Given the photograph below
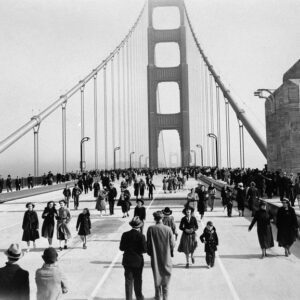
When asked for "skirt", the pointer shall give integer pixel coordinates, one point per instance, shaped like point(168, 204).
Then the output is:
point(63, 231)
point(47, 230)
point(30, 235)
point(188, 243)
point(101, 205)
point(265, 238)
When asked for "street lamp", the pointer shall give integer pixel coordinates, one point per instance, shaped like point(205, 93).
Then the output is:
point(212, 135)
point(131, 153)
point(259, 93)
point(115, 150)
point(85, 139)
point(140, 160)
point(194, 157)
point(201, 149)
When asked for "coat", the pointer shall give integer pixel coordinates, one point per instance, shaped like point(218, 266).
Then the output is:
point(83, 224)
point(63, 218)
point(240, 198)
point(30, 226)
point(140, 212)
point(48, 225)
point(51, 282)
point(96, 189)
point(160, 245)
point(133, 243)
point(169, 221)
point(264, 230)
point(188, 242)
point(14, 283)
point(210, 238)
point(287, 226)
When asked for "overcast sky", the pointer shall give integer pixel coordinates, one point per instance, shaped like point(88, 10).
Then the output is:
point(48, 46)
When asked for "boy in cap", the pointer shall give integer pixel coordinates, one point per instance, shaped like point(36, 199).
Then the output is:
point(14, 281)
point(50, 281)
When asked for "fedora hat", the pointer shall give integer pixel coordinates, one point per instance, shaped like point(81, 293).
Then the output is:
point(14, 251)
point(136, 222)
point(50, 255)
point(167, 211)
point(158, 215)
point(140, 200)
point(186, 208)
point(30, 203)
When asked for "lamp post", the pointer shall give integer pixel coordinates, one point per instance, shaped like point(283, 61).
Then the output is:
point(140, 160)
point(259, 93)
point(85, 139)
point(115, 150)
point(147, 162)
point(131, 153)
point(201, 150)
point(195, 163)
point(212, 135)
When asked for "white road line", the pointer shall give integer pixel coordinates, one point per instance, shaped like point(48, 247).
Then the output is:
point(112, 264)
point(232, 289)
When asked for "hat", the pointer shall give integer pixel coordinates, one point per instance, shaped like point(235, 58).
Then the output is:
point(62, 201)
point(30, 203)
point(209, 223)
point(187, 207)
point(51, 202)
point(136, 222)
point(167, 211)
point(241, 184)
point(50, 255)
point(140, 200)
point(285, 200)
point(14, 252)
point(158, 215)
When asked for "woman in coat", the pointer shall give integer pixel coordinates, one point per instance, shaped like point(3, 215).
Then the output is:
point(264, 230)
point(124, 202)
point(96, 187)
point(83, 225)
point(30, 226)
point(188, 242)
point(63, 219)
point(240, 198)
point(202, 201)
point(212, 196)
point(48, 225)
point(101, 201)
point(136, 187)
point(287, 226)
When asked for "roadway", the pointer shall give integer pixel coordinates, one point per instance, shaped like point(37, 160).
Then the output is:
point(96, 273)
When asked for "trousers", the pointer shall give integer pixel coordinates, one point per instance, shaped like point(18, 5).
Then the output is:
point(210, 258)
point(133, 278)
point(161, 290)
point(111, 206)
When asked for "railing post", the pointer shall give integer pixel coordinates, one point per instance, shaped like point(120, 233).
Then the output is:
point(64, 137)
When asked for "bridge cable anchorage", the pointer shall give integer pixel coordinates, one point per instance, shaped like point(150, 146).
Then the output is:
point(20, 132)
point(254, 133)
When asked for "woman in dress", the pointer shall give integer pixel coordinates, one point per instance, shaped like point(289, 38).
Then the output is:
point(124, 202)
point(48, 225)
point(192, 199)
point(83, 225)
point(264, 230)
point(101, 201)
point(188, 242)
point(287, 226)
point(30, 226)
point(63, 219)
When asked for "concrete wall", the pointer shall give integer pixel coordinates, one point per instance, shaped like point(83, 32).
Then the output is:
point(283, 124)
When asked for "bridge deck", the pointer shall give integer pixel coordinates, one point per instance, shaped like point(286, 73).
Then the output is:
point(97, 273)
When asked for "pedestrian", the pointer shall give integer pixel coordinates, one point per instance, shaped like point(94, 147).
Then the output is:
point(287, 226)
point(30, 226)
point(140, 211)
point(76, 192)
point(210, 238)
point(151, 187)
point(8, 184)
point(18, 183)
point(169, 221)
point(63, 219)
point(96, 187)
point(101, 201)
point(133, 243)
point(83, 225)
point(14, 281)
point(229, 201)
point(30, 181)
point(1, 184)
point(67, 195)
point(264, 230)
point(188, 241)
point(49, 214)
point(202, 201)
point(136, 187)
point(165, 181)
point(192, 199)
point(111, 196)
point(142, 188)
point(50, 280)
point(160, 245)
point(241, 198)
point(211, 196)
point(124, 202)
point(253, 198)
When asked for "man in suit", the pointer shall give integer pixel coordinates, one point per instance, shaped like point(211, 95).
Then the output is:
point(111, 195)
point(133, 243)
point(14, 281)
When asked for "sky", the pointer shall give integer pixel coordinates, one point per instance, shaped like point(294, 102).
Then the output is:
point(46, 47)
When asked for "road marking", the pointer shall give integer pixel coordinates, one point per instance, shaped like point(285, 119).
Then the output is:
point(232, 289)
point(112, 264)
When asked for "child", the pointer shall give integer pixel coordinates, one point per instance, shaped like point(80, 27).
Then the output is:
point(84, 225)
point(210, 238)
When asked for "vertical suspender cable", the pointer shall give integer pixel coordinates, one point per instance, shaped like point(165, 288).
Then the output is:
point(207, 120)
point(105, 117)
point(227, 133)
point(113, 103)
point(212, 127)
point(119, 111)
point(124, 108)
point(64, 138)
point(96, 121)
point(219, 125)
point(128, 100)
point(82, 121)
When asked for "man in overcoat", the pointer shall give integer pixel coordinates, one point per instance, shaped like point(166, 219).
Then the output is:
point(133, 243)
point(160, 245)
point(14, 281)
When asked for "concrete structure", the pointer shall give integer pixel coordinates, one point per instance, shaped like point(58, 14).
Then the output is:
point(283, 123)
point(178, 121)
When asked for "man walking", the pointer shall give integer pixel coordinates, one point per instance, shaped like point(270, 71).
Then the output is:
point(133, 243)
point(160, 245)
point(111, 195)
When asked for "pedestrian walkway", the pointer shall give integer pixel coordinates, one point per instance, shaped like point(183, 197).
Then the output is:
point(97, 273)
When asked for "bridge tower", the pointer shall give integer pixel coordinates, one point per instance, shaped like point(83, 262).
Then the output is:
point(178, 121)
